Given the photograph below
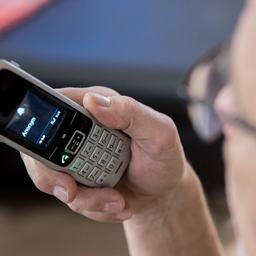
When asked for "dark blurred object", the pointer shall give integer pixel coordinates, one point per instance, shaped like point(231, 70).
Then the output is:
point(140, 48)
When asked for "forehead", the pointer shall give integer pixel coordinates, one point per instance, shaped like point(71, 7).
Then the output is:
point(243, 62)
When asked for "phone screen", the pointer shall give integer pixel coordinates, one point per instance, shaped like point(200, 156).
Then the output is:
point(38, 120)
point(34, 119)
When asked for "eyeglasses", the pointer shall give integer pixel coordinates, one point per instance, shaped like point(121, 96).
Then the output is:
point(201, 86)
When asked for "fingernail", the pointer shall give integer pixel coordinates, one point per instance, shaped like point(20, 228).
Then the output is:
point(113, 207)
point(126, 214)
point(61, 194)
point(101, 100)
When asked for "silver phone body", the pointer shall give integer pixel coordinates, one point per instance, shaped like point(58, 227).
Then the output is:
point(97, 166)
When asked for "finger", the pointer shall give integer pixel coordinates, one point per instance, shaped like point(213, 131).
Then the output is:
point(145, 125)
point(100, 204)
point(105, 217)
point(105, 200)
point(77, 94)
point(61, 185)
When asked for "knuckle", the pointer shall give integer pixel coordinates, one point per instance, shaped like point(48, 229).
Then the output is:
point(42, 182)
point(130, 104)
point(130, 107)
point(74, 208)
point(169, 124)
point(87, 209)
point(169, 133)
point(94, 205)
point(105, 90)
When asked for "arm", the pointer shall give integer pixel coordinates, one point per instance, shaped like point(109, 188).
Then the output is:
point(178, 225)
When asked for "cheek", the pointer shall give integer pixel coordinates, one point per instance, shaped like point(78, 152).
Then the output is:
point(241, 182)
point(244, 96)
point(240, 158)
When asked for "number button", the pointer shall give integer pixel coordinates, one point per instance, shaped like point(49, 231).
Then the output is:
point(96, 154)
point(86, 169)
point(77, 165)
point(96, 133)
point(103, 177)
point(112, 142)
point(94, 174)
point(104, 159)
point(104, 138)
point(113, 164)
point(120, 147)
point(87, 150)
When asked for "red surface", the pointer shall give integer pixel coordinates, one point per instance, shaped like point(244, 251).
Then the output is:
point(13, 12)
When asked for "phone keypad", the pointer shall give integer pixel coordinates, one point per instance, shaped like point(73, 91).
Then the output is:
point(120, 147)
point(96, 133)
point(113, 164)
point(87, 150)
point(77, 165)
point(96, 154)
point(104, 139)
point(86, 169)
point(104, 159)
point(103, 177)
point(99, 156)
point(94, 174)
point(112, 142)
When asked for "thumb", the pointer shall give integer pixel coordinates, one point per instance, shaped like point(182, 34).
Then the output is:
point(143, 124)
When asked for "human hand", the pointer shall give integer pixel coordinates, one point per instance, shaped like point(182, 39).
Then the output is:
point(157, 165)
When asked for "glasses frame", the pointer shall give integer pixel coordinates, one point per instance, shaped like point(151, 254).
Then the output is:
point(187, 100)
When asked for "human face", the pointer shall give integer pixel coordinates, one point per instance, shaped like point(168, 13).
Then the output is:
point(240, 146)
point(204, 89)
point(224, 82)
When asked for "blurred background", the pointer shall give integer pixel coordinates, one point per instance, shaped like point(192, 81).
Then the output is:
point(142, 49)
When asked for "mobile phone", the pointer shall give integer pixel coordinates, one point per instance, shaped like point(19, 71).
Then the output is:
point(44, 124)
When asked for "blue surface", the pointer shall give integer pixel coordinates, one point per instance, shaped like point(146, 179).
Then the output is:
point(165, 35)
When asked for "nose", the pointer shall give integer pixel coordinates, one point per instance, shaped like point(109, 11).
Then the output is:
point(224, 103)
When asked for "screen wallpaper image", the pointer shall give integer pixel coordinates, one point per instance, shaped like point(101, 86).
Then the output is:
point(34, 119)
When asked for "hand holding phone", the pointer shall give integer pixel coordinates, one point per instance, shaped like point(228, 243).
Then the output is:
point(155, 169)
point(51, 128)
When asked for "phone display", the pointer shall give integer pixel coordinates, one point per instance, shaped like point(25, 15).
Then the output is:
point(56, 131)
point(34, 119)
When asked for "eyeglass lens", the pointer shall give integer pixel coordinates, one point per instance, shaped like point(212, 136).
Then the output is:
point(204, 83)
